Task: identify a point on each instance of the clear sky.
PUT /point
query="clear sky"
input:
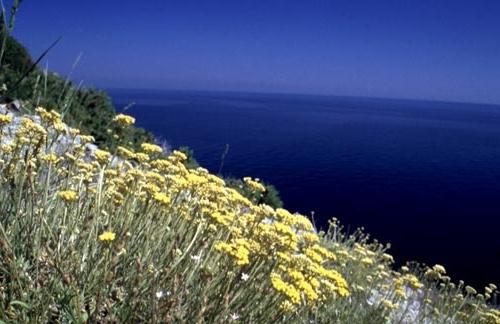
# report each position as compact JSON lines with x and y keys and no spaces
{"x":424,"y":49}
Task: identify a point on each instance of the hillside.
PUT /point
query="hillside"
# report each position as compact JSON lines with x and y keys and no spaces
{"x":134,"y":236}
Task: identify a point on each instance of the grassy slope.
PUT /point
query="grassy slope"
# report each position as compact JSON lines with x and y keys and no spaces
{"x":143,"y":238}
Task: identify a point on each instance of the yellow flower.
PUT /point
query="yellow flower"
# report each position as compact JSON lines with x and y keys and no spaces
{"x":141,"y":157}
{"x":102,"y":156}
{"x":107,"y":236}
{"x":178,"y":155}
{"x":238,"y":250}
{"x":124,"y":120}
{"x":286,"y":289}
{"x":254,"y":184}
{"x":5,"y":119}
{"x":162,"y":198}
{"x":388,"y":304}
{"x":413,"y":281}
{"x":124,"y":152}
{"x":367,"y":261}
{"x":151,"y":148}
{"x":87,"y":138}
{"x":470,"y":290}
{"x":439,"y":269}
{"x":50,"y":158}
{"x":68,"y":195}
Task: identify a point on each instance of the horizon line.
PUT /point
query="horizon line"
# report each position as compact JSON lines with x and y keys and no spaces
{"x":284,"y":93}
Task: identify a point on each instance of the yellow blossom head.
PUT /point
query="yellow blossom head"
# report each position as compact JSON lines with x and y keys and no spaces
{"x":68,"y":196}
{"x":124,"y":120}
{"x":151,"y":148}
{"x":5,"y":119}
{"x":107,"y":236}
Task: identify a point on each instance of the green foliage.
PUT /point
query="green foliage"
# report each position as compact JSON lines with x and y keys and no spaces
{"x":190,"y":161}
{"x":16,"y":56}
{"x":90,"y":110}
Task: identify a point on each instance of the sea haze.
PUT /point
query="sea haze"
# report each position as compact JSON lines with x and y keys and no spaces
{"x":424,"y":176}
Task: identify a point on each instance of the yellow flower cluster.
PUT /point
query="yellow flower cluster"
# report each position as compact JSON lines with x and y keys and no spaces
{"x":212,"y":225}
{"x":162,"y":198}
{"x":124,"y":120}
{"x":51,"y":118}
{"x":68,"y":195}
{"x":5,"y":119}
{"x":50,"y":158}
{"x":30,"y":132}
{"x":151,"y":148}
{"x":102,"y":156}
{"x":254,"y":184}
{"x":238,"y":249}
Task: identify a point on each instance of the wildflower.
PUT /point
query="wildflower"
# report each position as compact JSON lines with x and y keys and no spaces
{"x":387,"y":257}
{"x":68,"y":196}
{"x":59,"y":126}
{"x":367,"y":261}
{"x":196,"y":258}
{"x":287,"y":306}
{"x":161,"y":198}
{"x":107,"y":236}
{"x":439,"y":269}
{"x":234,"y":316}
{"x":151,"y":148}
{"x":400,"y":293}
{"x":388,"y":304}
{"x":50,"y":158}
{"x":244,"y":276}
{"x":5,"y":119}
{"x":30,"y":132}
{"x":74,"y":131}
{"x":254,"y":184}
{"x":159,"y":294}
{"x":237,"y":249}
{"x":102,"y":156}
{"x":87,"y":139}
{"x":124,"y":152}
{"x":179,"y":156}
{"x":432,"y":274}
{"x":285,"y":288}
{"x":7,"y":148}
{"x":470,"y":290}
{"x":141,"y":157}
{"x":124,"y":120}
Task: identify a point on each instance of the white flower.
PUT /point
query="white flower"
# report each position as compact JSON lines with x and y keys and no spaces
{"x":159,"y":294}
{"x":234,"y":316}
{"x":196,"y":258}
{"x":244,"y":276}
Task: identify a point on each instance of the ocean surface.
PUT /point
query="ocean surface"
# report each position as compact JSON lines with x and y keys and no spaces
{"x":424,"y":176}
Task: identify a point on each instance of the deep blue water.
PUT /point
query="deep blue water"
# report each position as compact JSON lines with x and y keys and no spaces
{"x":424,"y":176}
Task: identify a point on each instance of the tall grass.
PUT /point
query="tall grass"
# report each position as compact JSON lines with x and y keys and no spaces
{"x":7,"y":23}
{"x":127,"y":236}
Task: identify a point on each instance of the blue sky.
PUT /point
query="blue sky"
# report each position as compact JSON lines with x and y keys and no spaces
{"x":439,"y":49}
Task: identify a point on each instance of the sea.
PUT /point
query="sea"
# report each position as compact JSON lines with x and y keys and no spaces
{"x":423,"y":176}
